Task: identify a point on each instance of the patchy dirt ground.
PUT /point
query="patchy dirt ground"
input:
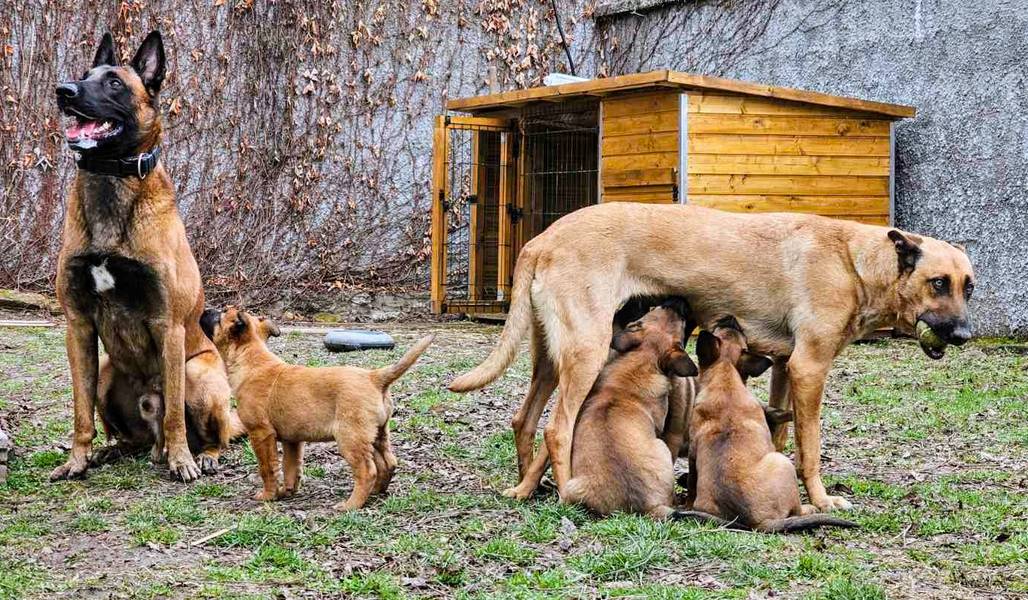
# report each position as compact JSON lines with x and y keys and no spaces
{"x":933,"y":454}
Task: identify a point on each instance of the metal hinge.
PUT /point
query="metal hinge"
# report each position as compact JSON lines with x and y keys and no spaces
{"x":442,"y":200}
{"x":674,"y":192}
{"x":515,"y":213}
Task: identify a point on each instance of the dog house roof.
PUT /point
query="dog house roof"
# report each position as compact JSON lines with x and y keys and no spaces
{"x":670,"y":79}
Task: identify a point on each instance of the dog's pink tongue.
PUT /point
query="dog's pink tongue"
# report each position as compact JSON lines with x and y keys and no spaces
{"x":80,"y":130}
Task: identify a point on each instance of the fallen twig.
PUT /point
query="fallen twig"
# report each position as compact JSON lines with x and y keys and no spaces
{"x":215,"y":535}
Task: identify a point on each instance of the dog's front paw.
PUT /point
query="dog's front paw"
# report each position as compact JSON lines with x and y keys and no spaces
{"x":518,"y":493}
{"x":73,"y":469}
{"x":265,"y":495}
{"x":183,"y":467}
{"x":208,"y":464}
{"x":832,"y":503}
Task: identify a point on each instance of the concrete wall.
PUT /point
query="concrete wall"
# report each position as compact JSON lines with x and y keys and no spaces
{"x":962,"y":169}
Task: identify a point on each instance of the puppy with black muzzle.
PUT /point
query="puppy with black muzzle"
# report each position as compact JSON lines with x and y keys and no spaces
{"x":735,"y":475}
{"x":619,"y":461}
{"x":296,"y":404}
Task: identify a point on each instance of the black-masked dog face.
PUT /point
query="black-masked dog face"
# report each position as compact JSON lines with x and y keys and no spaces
{"x":936,"y":282}
{"x":112,"y":109}
{"x":232,"y":330}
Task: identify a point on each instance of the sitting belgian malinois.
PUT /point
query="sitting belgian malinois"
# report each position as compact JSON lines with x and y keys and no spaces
{"x":295,"y":404}
{"x":126,"y":274}
{"x":619,"y":461}
{"x":735,"y":475}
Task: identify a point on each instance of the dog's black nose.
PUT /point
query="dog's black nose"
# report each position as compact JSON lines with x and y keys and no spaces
{"x":67,"y":90}
{"x":959,"y":335}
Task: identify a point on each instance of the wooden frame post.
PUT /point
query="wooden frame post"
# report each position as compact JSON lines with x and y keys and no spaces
{"x":505,"y":254}
{"x":474,"y":221}
{"x":438,"y":264}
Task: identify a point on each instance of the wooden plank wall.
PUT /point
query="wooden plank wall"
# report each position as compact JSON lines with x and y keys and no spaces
{"x":756,"y":154}
{"x":639,"y":147}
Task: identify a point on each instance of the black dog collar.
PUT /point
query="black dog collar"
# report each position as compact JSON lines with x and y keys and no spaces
{"x":139,"y":165}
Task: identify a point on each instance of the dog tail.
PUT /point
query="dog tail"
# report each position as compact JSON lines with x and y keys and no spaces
{"x":702,"y":517}
{"x":518,"y":319}
{"x":387,"y":375}
{"x":804,"y":523}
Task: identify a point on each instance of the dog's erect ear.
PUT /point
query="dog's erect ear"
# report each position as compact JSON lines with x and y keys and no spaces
{"x":753,"y":365}
{"x":105,"y":53}
{"x":149,"y":62}
{"x":708,"y":349}
{"x":269,"y":328}
{"x":628,"y":338}
{"x":908,"y":249}
{"x":680,"y":364}
{"x":776,"y":416}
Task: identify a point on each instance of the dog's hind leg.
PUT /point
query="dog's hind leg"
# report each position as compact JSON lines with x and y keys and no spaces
{"x":779,"y":399}
{"x":533,"y":475}
{"x":385,"y":460}
{"x":357,"y":447}
{"x":526,"y":421}
{"x":579,"y":368}
{"x":292,"y":466}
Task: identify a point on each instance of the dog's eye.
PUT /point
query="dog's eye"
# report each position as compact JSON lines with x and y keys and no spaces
{"x":968,"y":289}
{"x":939,"y":284}
{"x":114,"y":83}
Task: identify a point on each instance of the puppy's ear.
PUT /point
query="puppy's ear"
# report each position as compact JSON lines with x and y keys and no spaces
{"x":105,"y":52}
{"x":149,"y":62}
{"x":708,"y":349}
{"x":680,"y":364}
{"x":679,"y":305}
{"x":753,"y":365}
{"x":776,"y":416}
{"x":728,"y":322}
{"x":908,"y":249}
{"x":627,"y":339}
{"x":269,"y":328}
{"x":239,"y":326}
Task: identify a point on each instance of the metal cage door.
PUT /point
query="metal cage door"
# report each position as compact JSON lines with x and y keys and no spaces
{"x":471,"y":229}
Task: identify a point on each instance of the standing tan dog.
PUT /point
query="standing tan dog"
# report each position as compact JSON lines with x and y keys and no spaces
{"x":296,"y":404}
{"x":735,"y":474}
{"x":619,"y":461}
{"x":802,"y":286}
{"x":125,"y":272}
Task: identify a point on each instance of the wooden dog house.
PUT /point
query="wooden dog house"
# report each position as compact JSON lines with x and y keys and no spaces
{"x":517,"y":161}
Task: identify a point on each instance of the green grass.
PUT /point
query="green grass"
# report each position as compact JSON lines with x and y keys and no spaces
{"x":934,"y":453}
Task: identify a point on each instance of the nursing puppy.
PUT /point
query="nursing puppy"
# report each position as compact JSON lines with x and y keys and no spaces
{"x":296,"y":404}
{"x":619,"y":461}
{"x":133,"y":413}
{"x":738,"y":477}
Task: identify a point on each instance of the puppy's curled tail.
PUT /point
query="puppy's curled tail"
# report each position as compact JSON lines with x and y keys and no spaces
{"x":387,"y":375}
{"x":518,"y":319}
{"x":804,"y":523}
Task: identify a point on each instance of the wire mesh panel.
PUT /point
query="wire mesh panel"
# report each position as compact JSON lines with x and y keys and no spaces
{"x":561,"y":157}
{"x":472,"y":205}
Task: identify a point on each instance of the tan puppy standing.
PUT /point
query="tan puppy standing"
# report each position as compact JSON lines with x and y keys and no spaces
{"x":619,"y":461}
{"x":296,"y":404}
{"x":802,"y":286}
{"x":735,"y":474}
